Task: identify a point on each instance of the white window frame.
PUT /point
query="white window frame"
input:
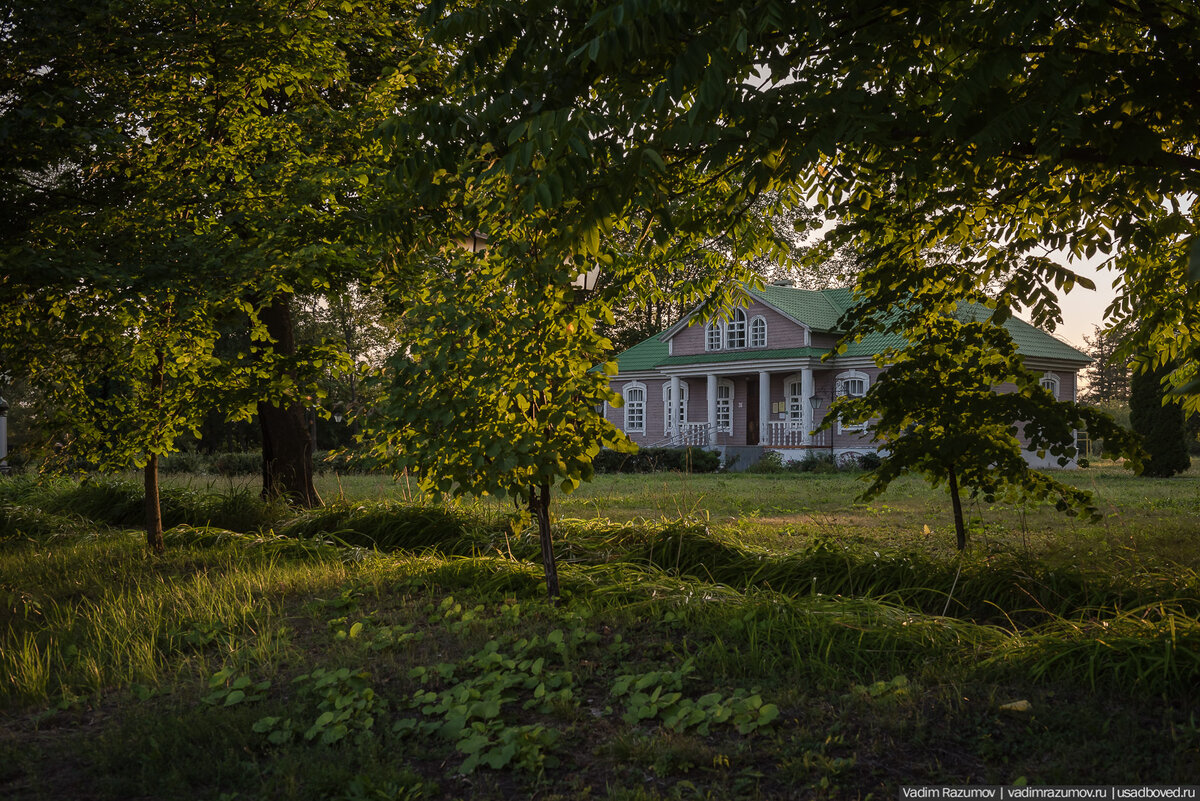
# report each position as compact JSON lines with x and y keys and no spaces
{"x":794,"y":401}
{"x":683,"y":404}
{"x":725,"y":406}
{"x":1051,"y":383}
{"x":758,"y":325}
{"x":714,"y":336}
{"x":735,"y":330}
{"x":840,"y":381}
{"x":631,"y":404}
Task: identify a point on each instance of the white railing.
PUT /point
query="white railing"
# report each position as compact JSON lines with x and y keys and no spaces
{"x":786,"y":434}
{"x":780,"y":434}
{"x":694,"y":434}
{"x":690,"y":435}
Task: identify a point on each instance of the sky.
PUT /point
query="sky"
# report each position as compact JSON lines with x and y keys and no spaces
{"x":1083,"y":309}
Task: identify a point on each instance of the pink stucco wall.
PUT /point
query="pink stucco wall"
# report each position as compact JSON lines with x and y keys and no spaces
{"x":781,"y":332}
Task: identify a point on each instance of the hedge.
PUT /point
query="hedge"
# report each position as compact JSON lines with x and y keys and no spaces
{"x":655,"y":460}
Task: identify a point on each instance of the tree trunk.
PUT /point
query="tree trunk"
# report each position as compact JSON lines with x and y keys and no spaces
{"x":287,"y":443}
{"x":154,"y":529}
{"x":960,"y":530}
{"x":540,"y":506}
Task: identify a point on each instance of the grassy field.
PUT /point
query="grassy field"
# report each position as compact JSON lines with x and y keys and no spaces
{"x":1143,"y":519}
{"x":722,"y":636}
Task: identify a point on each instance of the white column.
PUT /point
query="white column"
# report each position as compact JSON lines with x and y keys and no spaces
{"x":712,"y":409}
{"x":676,"y":428}
{"x":764,"y":406}
{"x":806,"y":411}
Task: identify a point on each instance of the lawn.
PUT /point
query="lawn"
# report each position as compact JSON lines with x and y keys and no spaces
{"x":1142,"y":519}
{"x":722,"y":636}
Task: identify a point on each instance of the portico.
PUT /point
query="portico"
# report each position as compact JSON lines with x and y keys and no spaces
{"x":767,"y":407}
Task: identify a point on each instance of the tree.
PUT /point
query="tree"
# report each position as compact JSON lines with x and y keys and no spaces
{"x":937,"y":413}
{"x":359,"y":321}
{"x":123,"y":373}
{"x":494,"y":393}
{"x":1160,"y":423}
{"x":996,"y":130}
{"x":245,"y":128}
{"x":1108,"y":374}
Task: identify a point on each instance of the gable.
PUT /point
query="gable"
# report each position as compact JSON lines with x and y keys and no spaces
{"x":782,"y":332}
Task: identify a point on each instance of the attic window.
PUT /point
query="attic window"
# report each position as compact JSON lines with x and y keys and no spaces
{"x":735,"y":333}
{"x":712,"y":336}
{"x":758,"y":332}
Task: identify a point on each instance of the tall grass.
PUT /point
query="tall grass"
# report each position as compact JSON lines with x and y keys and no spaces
{"x":99,"y":613}
{"x":118,"y":501}
{"x":85,"y":610}
{"x":390,"y":525}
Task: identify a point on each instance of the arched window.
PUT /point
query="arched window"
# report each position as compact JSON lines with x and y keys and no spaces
{"x":758,"y":332}
{"x":635,"y":407}
{"x":680,"y":407}
{"x":713,"y":336}
{"x":725,"y":406}
{"x":1050,"y":383}
{"x":854,"y":384}
{"x":735,"y":332}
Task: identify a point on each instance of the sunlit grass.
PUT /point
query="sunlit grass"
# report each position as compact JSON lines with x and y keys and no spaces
{"x":1149,"y":520}
{"x":89,"y":615}
{"x":852,"y":618}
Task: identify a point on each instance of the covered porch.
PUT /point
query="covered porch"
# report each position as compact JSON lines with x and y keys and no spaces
{"x":768,"y":408}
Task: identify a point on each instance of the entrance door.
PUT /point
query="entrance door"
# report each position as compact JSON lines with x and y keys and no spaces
{"x":752,"y":421}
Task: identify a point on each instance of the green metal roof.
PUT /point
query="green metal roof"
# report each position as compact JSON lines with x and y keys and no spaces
{"x":645,"y":355}
{"x":1032,"y":342}
{"x":820,"y":310}
{"x":750,"y":355}
{"x":817,"y":309}
{"x":873,"y":343}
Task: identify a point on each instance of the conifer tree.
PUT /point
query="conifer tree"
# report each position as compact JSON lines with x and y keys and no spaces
{"x":1161,"y":426}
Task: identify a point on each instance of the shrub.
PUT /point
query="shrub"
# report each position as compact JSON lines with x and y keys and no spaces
{"x":815,"y":463}
{"x":653,"y":460}
{"x":185,"y":462}
{"x":16,"y":463}
{"x":237,"y":464}
{"x":120,"y":502}
{"x":1163,"y":429}
{"x":869,"y":461}
{"x":770,"y":462}
{"x":394,"y":526}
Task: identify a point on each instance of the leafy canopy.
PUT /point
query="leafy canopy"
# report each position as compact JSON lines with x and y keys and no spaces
{"x":495,"y":392}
